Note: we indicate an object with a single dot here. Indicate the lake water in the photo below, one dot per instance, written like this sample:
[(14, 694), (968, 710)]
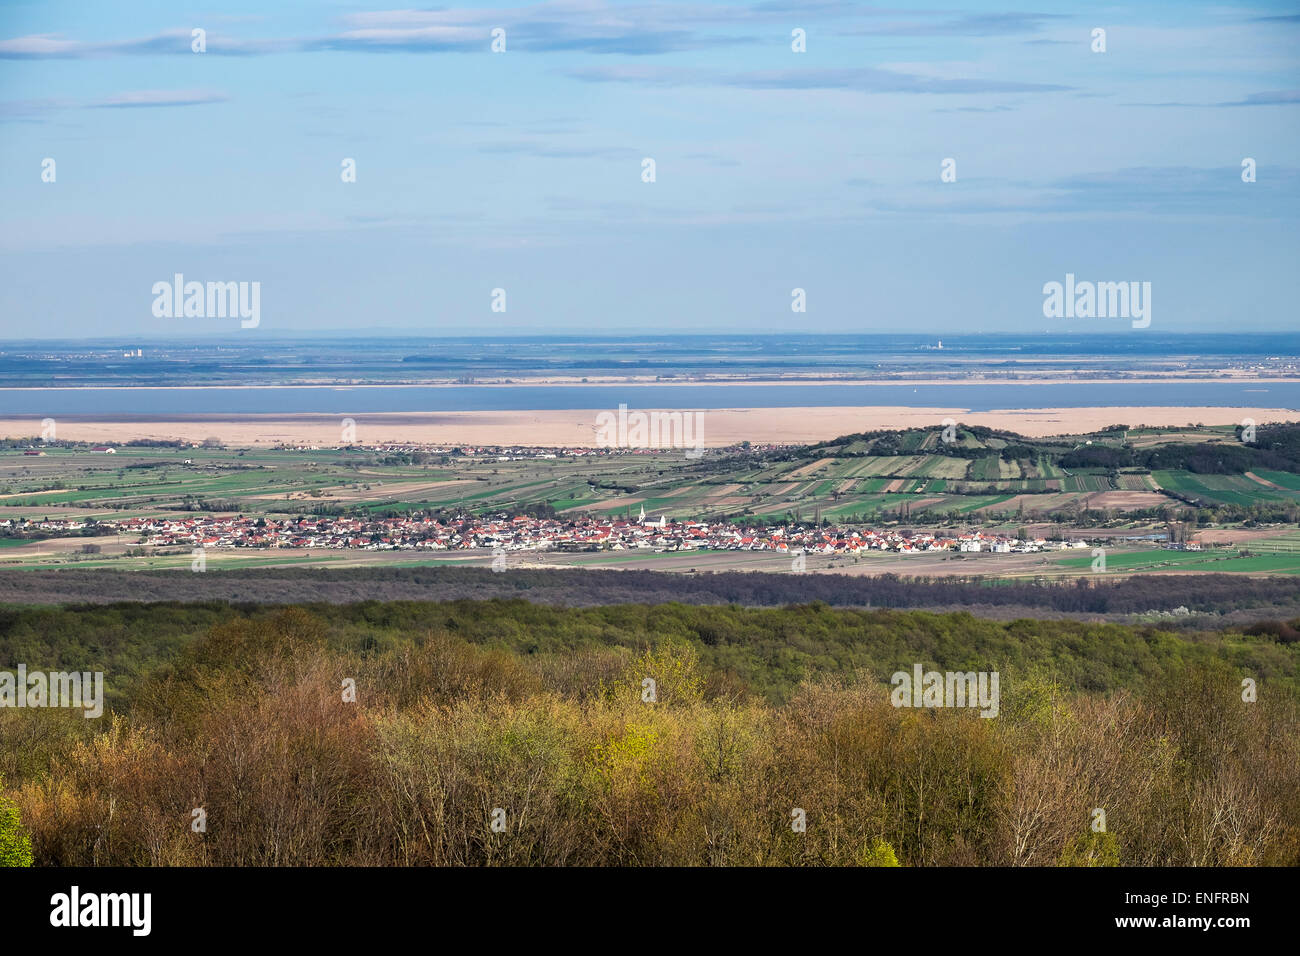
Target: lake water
[(352, 400)]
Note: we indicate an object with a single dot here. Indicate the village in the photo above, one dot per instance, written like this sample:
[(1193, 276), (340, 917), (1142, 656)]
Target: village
[(523, 533)]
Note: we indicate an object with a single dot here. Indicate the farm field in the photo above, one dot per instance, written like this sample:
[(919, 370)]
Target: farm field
[(1231, 489), (981, 479), (1207, 561)]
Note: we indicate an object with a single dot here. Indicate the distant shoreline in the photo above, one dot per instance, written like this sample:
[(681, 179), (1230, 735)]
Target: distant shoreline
[(1224, 377), (575, 428)]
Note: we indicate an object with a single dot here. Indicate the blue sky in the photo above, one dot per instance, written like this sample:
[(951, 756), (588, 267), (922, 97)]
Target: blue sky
[(522, 170)]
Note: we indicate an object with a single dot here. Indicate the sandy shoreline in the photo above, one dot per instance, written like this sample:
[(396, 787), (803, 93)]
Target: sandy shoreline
[(577, 427)]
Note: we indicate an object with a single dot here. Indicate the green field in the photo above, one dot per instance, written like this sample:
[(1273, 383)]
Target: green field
[(1211, 561), (867, 478)]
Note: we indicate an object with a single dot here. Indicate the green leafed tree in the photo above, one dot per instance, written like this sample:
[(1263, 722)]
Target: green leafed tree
[(15, 844), (878, 853), (1091, 849)]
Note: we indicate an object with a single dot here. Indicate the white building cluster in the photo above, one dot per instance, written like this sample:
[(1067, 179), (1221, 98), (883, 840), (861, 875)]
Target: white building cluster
[(525, 533)]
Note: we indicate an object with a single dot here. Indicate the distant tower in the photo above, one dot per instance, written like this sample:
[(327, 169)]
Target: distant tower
[(641, 518)]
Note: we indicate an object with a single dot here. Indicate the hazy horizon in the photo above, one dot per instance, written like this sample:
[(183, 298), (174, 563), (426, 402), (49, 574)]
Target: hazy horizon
[(1150, 342)]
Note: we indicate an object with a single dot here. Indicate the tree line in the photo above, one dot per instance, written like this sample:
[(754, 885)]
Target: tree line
[(490, 734)]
